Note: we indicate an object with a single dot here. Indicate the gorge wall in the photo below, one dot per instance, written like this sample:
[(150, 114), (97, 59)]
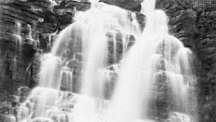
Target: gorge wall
[(193, 22)]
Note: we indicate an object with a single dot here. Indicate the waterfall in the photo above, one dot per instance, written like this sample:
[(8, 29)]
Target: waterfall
[(102, 36)]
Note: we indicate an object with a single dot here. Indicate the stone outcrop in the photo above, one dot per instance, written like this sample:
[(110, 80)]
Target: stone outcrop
[(207, 55), (193, 22), (28, 28), (133, 5)]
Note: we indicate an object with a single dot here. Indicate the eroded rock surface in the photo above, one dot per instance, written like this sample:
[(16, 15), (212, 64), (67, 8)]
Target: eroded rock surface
[(193, 22)]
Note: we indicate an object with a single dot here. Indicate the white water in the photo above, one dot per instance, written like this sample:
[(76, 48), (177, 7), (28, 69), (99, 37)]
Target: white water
[(179, 117), (18, 35), (133, 90), (67, 78), (177, 69), (50, 71)]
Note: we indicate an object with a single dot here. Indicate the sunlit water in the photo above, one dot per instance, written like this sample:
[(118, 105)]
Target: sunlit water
[(154, 52), (18, 35)]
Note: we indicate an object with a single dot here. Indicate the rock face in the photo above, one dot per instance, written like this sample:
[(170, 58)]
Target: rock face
[(193, 22), (207, 55), (134, 5), (28, 28)]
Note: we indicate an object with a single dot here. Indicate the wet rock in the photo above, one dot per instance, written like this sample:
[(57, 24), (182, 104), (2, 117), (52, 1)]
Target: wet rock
[(193, 22), (134, 5), (70, 4), (7, 118), (197, 25)]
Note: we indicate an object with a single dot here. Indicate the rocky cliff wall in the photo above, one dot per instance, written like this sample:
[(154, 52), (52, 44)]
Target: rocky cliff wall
[(27, 30), (193, 22)]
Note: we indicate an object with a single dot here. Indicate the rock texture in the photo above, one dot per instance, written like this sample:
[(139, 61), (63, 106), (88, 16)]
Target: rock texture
[(133, 5), (193, 22), (28, 28), (206, 50)]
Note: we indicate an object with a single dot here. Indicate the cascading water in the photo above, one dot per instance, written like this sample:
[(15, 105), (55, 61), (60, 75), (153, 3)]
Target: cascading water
[(175, 60), (67, 78), (133, 89), (101, 37), (18, 35)]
